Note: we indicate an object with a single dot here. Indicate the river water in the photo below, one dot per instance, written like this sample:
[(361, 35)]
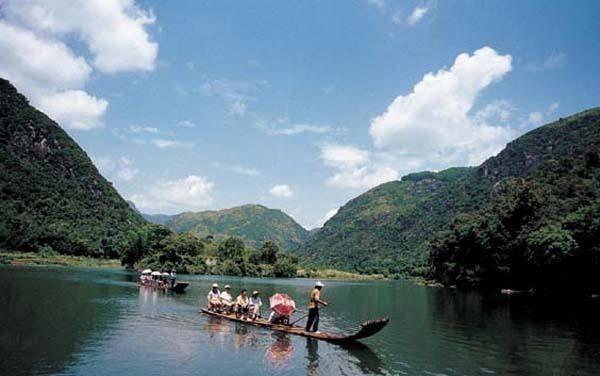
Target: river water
[(98, 322)]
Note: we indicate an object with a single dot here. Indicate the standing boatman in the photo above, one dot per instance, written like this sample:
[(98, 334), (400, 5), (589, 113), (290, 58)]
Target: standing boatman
[(312, 325)]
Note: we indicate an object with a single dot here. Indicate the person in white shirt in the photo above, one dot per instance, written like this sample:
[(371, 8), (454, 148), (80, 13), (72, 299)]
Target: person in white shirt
[(226, 299), (242, 303), (173, 277), (214, 298), (255, 304)]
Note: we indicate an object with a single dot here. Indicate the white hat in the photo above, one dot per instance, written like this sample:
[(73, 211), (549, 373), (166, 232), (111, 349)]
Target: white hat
[(215, 285), (227, 287), (319, 284)]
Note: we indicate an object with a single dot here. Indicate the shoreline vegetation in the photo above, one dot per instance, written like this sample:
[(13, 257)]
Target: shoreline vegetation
[(13, 258)]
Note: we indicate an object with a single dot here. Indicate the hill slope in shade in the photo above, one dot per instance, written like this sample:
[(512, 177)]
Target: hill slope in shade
[(255, 224), (387, 229), (52, 197)]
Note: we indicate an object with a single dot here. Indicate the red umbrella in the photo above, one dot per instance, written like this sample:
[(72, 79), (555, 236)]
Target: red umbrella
[(282, 304)]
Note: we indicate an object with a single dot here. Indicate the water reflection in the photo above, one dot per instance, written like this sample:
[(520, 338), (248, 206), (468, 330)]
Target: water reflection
[(312, 357), (279, 354), (367, 360)]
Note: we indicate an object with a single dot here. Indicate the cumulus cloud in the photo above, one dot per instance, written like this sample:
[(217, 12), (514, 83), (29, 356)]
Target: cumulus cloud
[(121, 168), (416, 16), (281, 190), (75, 109), (354, 166), (190, 193), (113, 30), (433, 123), (35, 56)]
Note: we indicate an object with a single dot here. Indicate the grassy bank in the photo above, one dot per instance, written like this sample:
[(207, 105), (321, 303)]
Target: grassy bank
[(337, 274), (17, 258)]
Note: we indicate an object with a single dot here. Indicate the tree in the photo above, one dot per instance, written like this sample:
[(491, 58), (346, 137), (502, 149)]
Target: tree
[(268, 252), (284, 267), (232, 249)]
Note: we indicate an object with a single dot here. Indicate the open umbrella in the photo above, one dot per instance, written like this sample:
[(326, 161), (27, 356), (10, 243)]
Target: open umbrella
[(282, 304)]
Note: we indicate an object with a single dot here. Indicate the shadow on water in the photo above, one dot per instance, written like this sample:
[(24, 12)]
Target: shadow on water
[(368, 360)]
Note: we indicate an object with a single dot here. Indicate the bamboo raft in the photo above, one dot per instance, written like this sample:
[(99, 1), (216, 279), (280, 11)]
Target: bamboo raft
[(179, 287), (368, 328)]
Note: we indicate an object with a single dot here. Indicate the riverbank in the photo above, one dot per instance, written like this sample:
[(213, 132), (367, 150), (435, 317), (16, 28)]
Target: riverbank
[(28, 258)]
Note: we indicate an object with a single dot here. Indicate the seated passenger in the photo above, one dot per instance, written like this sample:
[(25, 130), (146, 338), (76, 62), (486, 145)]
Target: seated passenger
[(214, 299), (242, 303), (226, 300), (276, 318), (255, 305)]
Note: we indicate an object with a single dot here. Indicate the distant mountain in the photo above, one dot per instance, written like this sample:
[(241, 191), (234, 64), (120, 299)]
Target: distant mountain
[(52, 197), (388, 229), (255, 224), (159, 219)]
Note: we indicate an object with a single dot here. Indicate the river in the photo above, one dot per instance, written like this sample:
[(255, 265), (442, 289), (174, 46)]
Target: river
[(89, 321)]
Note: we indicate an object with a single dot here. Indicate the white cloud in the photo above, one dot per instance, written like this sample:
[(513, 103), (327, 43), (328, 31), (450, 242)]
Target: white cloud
[(282, 127), (113, 30), (553, 107), (122, 168), (190, 193), (354, 167), (186, 124), (281, 190), (535, 118), (238, 169), (551, 62), (74, 109), (164, 143), (35, 57), (140, 129), (417, 15), (238, 108), (498, 111), (327, 217), (380, 4), (432, 126)]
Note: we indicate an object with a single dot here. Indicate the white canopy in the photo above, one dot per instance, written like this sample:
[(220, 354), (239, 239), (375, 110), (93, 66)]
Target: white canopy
[(146, 271), (165, 273), (155, 273)]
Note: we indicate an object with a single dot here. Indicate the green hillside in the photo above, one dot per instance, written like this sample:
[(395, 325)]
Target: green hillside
[(52, 197), (254, 224), (388, 228)]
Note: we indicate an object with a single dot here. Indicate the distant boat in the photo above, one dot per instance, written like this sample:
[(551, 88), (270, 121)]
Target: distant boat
[(178, 288), (368, 328)]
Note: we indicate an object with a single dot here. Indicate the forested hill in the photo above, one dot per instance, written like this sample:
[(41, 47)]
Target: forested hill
[(52, 197), (255, 224), (389, 228)]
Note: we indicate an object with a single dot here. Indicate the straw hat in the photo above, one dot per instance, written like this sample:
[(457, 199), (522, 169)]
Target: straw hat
[(215, 285), (319, 284), (255, 292), (227, 287)]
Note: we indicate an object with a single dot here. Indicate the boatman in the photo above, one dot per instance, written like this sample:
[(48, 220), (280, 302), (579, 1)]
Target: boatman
[(312, 325), (214, 301)]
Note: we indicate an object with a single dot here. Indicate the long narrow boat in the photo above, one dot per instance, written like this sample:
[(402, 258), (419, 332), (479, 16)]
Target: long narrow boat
[(179, 287), (368, 328)]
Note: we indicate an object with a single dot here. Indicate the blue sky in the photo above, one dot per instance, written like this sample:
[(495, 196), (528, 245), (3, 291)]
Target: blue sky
[(297, 105)]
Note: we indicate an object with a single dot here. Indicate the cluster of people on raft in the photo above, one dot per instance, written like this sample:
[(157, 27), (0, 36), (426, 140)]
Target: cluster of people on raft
[(249, 307), (158, 279)]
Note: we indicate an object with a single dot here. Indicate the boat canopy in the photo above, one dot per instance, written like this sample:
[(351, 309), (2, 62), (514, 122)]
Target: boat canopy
[(146, 271), (155, 273), (165, 273)]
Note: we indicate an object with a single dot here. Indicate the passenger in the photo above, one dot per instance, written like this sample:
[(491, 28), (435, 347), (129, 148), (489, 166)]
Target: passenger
[(312, 325), (214, 301), (173, 278), (242, 304), (227, 300), (276, 318), (255, 305)]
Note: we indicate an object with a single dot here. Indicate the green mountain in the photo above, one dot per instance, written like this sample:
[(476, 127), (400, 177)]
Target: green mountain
[(52, 197), (255, 224), (389, 228)]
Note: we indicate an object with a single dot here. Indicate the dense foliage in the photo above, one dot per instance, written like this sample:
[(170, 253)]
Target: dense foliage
[(52, 197), (159, 248), (392, 228), (541, 231), (255, 224)]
